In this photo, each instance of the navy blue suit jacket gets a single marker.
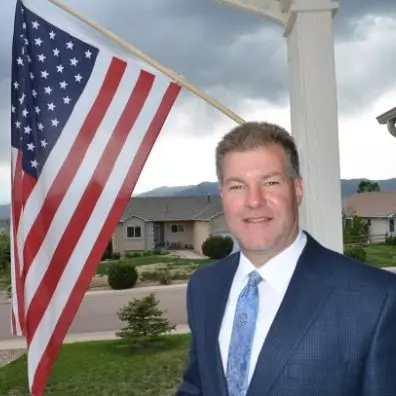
(334, 334)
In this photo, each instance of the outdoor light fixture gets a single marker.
(389, 118)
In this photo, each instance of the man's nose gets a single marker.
(255, 197)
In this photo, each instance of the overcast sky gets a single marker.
(241, 60)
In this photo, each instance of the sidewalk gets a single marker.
(20, 343)
(136, 290)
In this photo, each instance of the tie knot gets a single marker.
(254, 279)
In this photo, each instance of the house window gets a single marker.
(134, 232)
(391, 225)
(369, 222)
(177, 228)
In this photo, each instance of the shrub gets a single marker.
(390, 240)
(356, 251)
(217, 246)
(165, 277)
(181, 276)
(149, 276)
(145, 322)
(122, 275)
(132, 255)
(115, 256)
(5, 254)
(108, 251)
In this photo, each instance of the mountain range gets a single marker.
(348, 188)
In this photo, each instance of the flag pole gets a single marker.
(138, 53)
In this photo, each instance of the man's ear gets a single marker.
(298, 189)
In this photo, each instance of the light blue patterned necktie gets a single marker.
(242, 337)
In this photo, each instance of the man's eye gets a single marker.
(271, 183)
(236, 187)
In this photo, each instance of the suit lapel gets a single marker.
(304, 298)
(215, 310)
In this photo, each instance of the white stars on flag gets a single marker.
(50, 71)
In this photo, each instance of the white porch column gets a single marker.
(314, 118)
(313, 102)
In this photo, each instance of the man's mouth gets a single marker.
(257, 220)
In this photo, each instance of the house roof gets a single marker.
(371, 204)
(173, 208)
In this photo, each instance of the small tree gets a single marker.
(145, 321)
(368, 186)
(355, 230)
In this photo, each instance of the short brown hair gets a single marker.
(252, 135)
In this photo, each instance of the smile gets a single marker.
(257, 219)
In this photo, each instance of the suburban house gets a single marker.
(378, 209)
(169, 222)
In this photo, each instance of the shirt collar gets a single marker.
(278, 271)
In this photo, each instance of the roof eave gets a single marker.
(129, 217)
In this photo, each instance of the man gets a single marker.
(285, 316)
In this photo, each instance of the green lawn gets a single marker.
(140, 261)
(106, 368)
(380, 255)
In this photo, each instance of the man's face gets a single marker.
(260, 200)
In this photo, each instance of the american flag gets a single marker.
(83, 122)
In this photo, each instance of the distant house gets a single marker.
(379, 210)
(169, 222)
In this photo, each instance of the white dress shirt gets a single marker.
(276, 274)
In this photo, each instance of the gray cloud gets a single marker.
(239, 54)
(228, 53)
(351, 11)
(210, 44)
